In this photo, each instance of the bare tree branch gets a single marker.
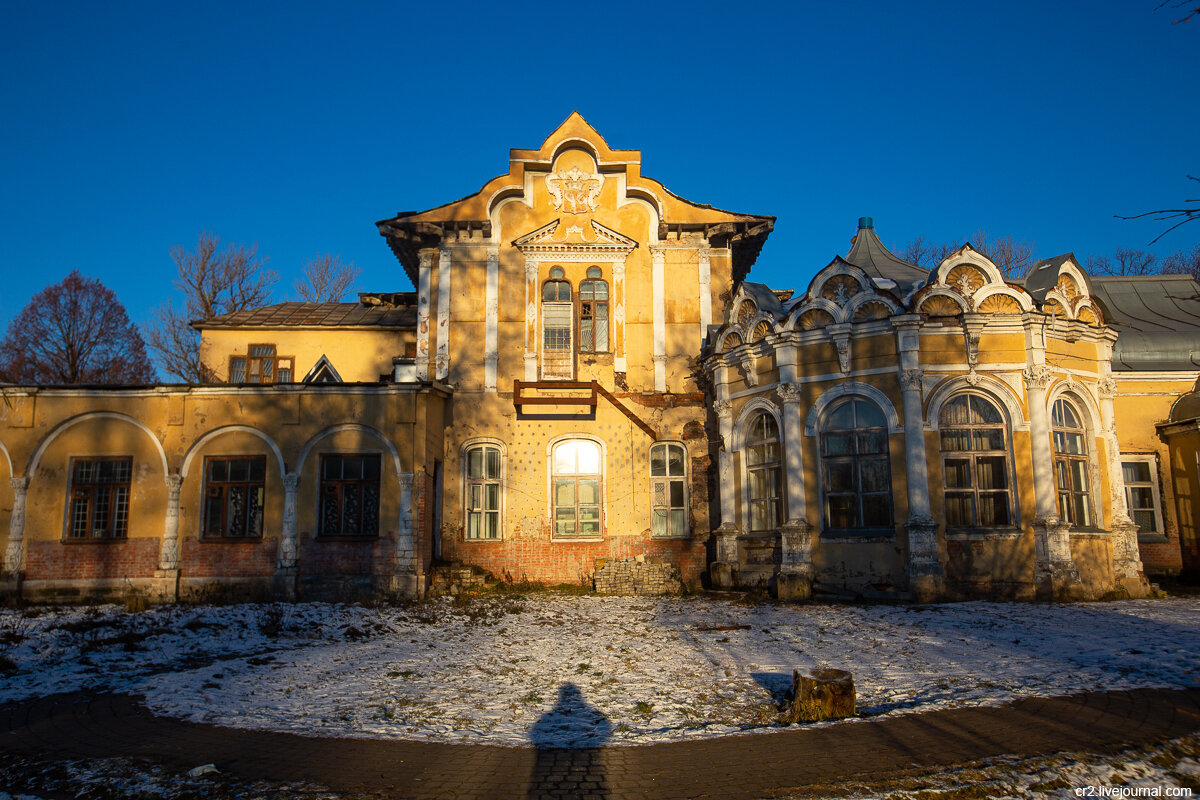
(326, 279)
(1013, 257)
(213, 282)
(1187, 214)
(74, 332)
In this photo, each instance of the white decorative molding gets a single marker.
(1038, 376)
(1006, 396)
(423, 302)
(658, 258)
(286, 557)
(574, 191)
(812, 423)
(168, 552)
(788, 393)
(14, 552)
(705, 276)
(911, 379)
(443, 319)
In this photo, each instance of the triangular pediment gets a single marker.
(590, 237)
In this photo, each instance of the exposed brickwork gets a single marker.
(319, 557)
(540, 559)
(223, 559)
(1161, 558)
(650, 576)
(129, 558)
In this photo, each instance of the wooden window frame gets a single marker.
(856, 460)
(1159, 533)
(590, 307)
(772, 472)
(221, 489)
(89, 491)
(1063, 462)
(972, 456)
(341, 484)
(483, 481)
(666, 480)
(577, 477)
(277, 361)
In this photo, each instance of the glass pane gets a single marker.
(285, 375)
(237, 370)
(476, 498)
(960, 510)
(837, 444)
(352, 468)
(954, 412)
(239, 470)
(676, 460)
(586, 340)
(475, 462)
(676, 494)
(589, 491)
(957, 473)
(1083, 516)
(1145, 521)
(758, 484)
(1074, 443)
(556, 272)
(262, 350)
(658, 522)
(993, 508)
(1140, 497)
(875, 442)
(658, 494)
(874, 475)
(473, 524)
(658, 461)
(594, 272)
(601, 289)
(869, 415)
(493, 462)
(268, 369)
(370, 466)
(254, 513)
(992, 471)
(585, 290)
(587, 513)
(564, 459)
(564, 493)
(331, 468)
(331, 518)
(983, 412)
(589, 528)
(842, 418)
(1079, 476)
(755, 454)
(258, 468)
(351, 509)
(235, 517)
(955, 440)
(992, 439)
(877, 511)
(493, 525)
(218, 470)
(758, 516)
(493, 497)
(564, 527)
(678, 522)
(601, 327)
(1136, 471)
(843, 512)
(212, 514)
(589, 458)
(840, 476)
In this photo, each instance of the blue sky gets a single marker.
(131, 127)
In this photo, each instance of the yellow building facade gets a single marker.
(585, 376)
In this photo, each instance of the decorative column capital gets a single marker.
(1038, 376)
(658, 255)
(723, 408)
(789, 393)
(426, 257)
(174, 482)
(1107, 388)
(291, 481)
(618, 269)
(406, 480)
(19, 484)
(660, 358)
(531, 269)
(493, 257)
(910, 379)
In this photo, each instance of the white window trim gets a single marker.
(1014, 510)
(687, 509)
(864, 533)
(1084, 411)
(462, 458)
(1155, 490)
(749, 412)
(603, 486)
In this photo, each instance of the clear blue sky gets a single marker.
(130, 127)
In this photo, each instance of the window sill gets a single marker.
(229, 539)
(1093, 533)
(679, 537)
(348, 538)
(1153, 538)
(863, 535)
(982, 534)
(96, 540)
(575, 539)
(496, 540)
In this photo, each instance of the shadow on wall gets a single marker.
(569, 739)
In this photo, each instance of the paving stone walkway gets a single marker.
(750, 766)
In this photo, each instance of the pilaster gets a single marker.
(531, 309)
(286, 568)
(15, 552)
(424, 274)
(443, 315)
(658, 259)
(405, 579)
(620, 363)
(1127, 560)
(491, 309)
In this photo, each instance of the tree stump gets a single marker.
(821, 694)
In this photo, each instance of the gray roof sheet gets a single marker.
(869, 254)
(1157, 320)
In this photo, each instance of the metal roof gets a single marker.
(316, 315)
(1157, 320)
(868, 254)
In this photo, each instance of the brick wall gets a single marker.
(223, 559)
(1161, 558)
(129, 558)
(539, 559)
(319, 557)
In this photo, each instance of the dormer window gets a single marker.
(261, 364)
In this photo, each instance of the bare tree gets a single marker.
(1183, 262)
(213, 282)
(1184, 215)
(1013, 257)
(74, 332)
(326, 279)
(1184, 4)
(1125, 262)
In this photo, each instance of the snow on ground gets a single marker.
(582, 671)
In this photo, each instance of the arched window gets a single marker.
(975, 466)
(668, 490)
(557, 327)
(1071, 464)
(764, 472)
(576, 488)
(483, 486)
(593, 313)
(857, 481)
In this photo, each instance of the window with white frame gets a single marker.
(593, 313)
(483, 484)
(856, 477)
(576, 488)
(98, 501)
(668, 490)
(1071, 464)
(975, 463)
(558, 326)
(764, 472)
(1141, 492)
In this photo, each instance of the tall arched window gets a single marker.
(1071, 464)
(557, 327)
(576, 486)
(483, 486)
(857, 480)
(975, 466)
(593, 313)
(764, 472)
(668, 490)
